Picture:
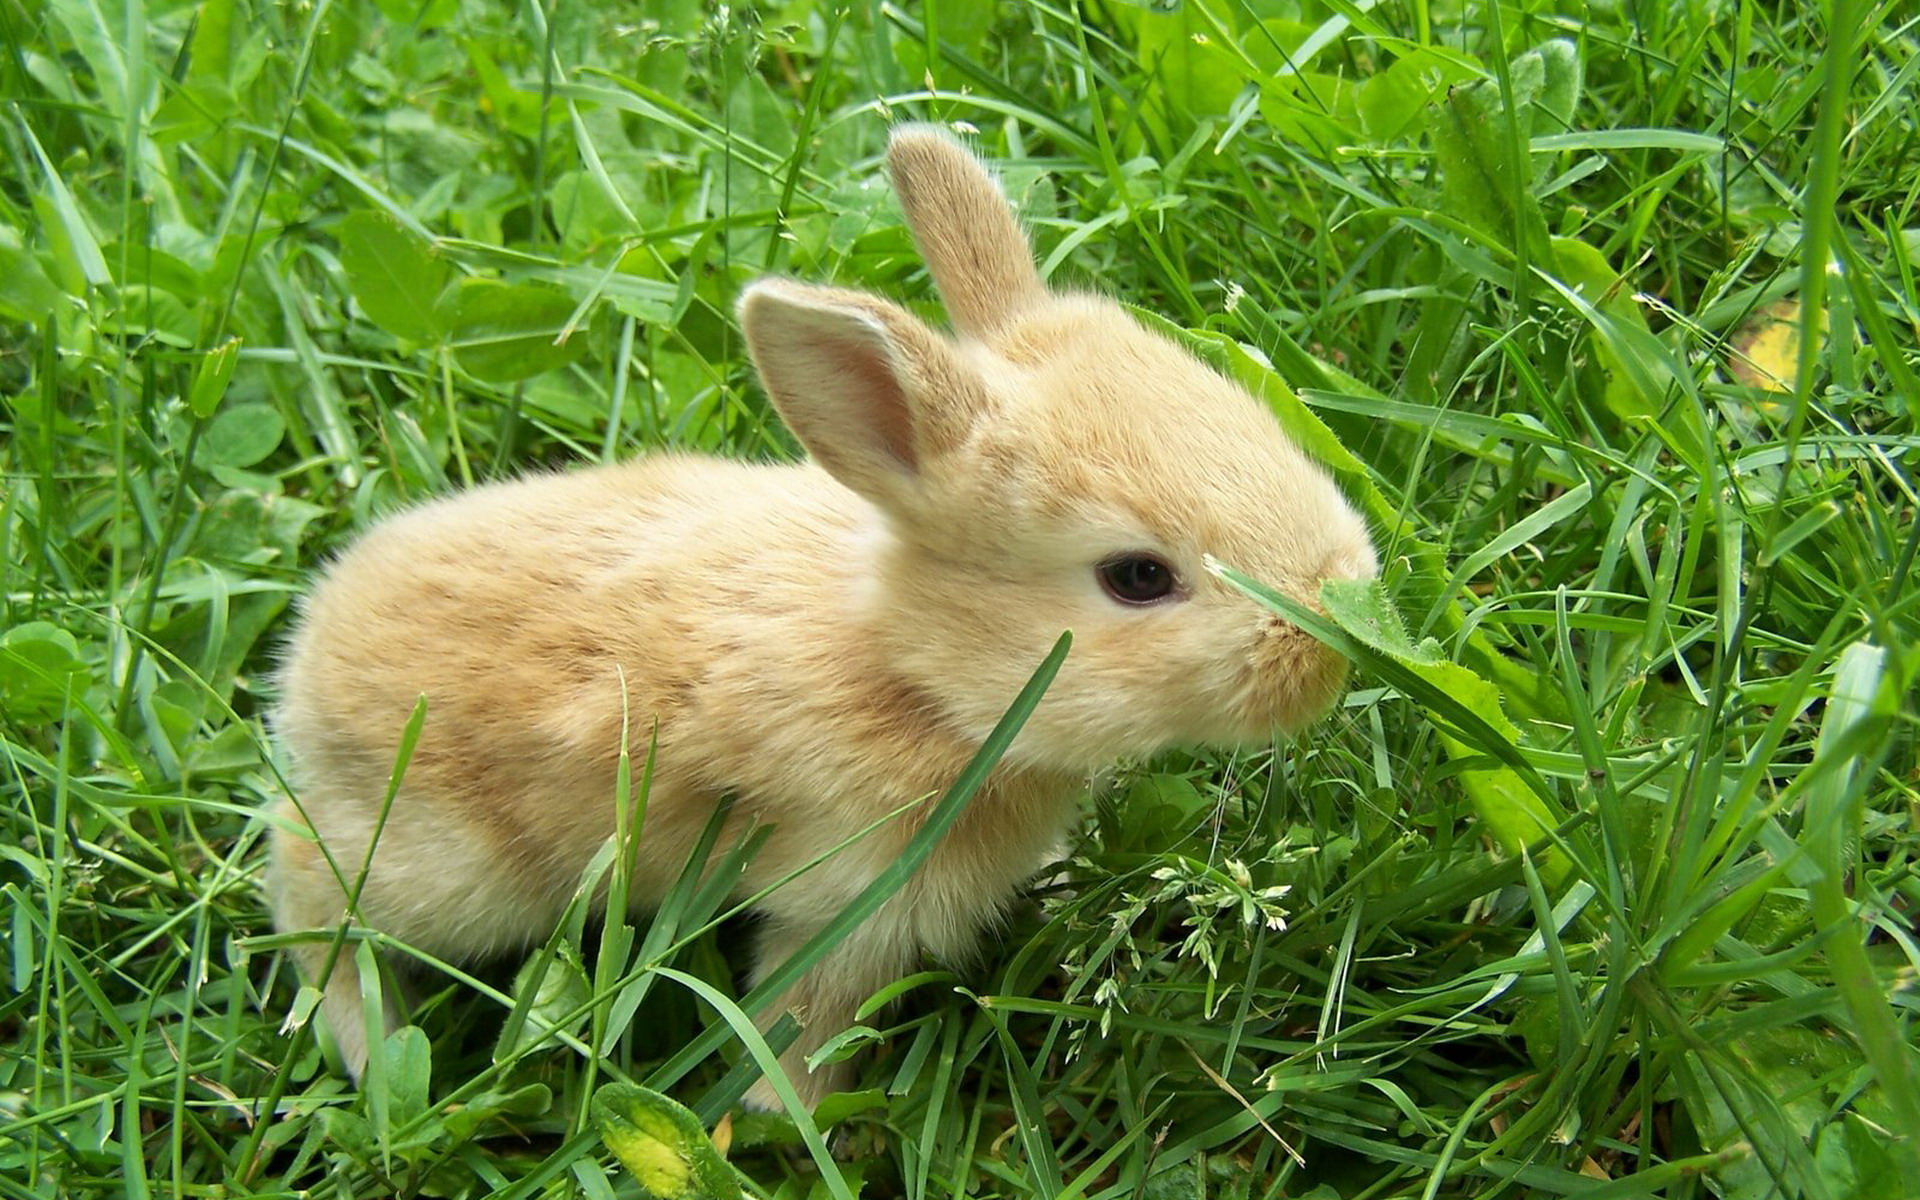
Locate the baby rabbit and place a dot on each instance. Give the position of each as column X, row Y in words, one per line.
column 826, row 641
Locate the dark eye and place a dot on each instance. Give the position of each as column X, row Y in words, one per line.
column 1136, row 578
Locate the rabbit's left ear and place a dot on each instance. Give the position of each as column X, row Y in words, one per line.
column 869, row 389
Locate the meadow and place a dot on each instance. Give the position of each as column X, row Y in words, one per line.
column 1599, row 883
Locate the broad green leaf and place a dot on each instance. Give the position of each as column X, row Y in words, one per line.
column 155, row 268
column 1312, row 109
column 560, row 991
column 215, row 32
column 194, row 110
column 1855, row 1164
column 1156, row 810
column 395, row 275
column 959, row 26
column 409, row 1076
column 176, row 706
column 1392, row 100
column 40, row 667
column 650, row 301
column 1308, row 107
column 965, row 25
column 589, row 215
column 1476, row 173
column 243, row 435
column 228, row 753
column 142, row 311
column 662, row 1143
column 349, row 1131
column 1589, row 273
column 506, row 332
column 1788, row 1062
column 662, row 64
column 1559, row 96
column 1288, row 43
column 1194, row 75
column 26, row 294
column 467, row 1119
column 841, row 1105
column 513, row 107
column 92, row 38
column 1475, row 141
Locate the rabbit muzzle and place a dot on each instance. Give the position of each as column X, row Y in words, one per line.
column 1294, row 679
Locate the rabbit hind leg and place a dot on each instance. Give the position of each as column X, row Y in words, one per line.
column 421, row 890
column 306, row 898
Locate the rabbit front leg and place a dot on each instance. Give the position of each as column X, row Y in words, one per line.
column 826, row 998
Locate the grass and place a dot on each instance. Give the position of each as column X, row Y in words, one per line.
column 1604, row 890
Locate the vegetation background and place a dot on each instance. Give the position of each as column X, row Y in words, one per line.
column 1599, row 884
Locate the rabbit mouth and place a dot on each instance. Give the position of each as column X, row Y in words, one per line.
column 1292, row 679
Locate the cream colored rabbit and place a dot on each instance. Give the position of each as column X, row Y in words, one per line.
column 826, row 641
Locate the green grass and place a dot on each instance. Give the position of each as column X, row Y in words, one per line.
column 1607, row 890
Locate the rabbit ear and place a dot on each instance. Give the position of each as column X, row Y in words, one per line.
column 870, row 391
column 966, row 232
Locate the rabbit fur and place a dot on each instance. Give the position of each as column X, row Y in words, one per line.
column 827, row 642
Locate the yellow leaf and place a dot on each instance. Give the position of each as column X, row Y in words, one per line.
column 1765, row 350
column 663, row 1144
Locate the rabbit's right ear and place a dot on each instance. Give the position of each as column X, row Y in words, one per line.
column 871, row 392
column 966, row 232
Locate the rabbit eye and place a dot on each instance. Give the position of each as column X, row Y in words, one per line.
column 1136, row 578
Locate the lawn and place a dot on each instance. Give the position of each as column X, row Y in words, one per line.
column 1600, row 882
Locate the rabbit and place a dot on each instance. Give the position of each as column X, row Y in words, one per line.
column 826, row 641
